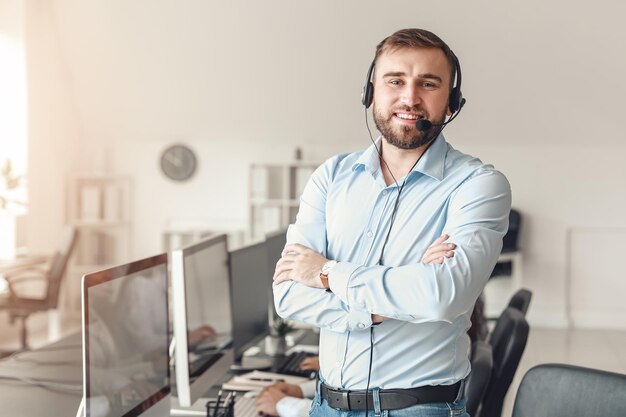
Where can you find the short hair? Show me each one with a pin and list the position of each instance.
(417, 38)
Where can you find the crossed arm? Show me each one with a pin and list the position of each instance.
(301, 264)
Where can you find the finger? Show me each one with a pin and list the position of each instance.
(433, 257)
(282, 278)
(294, 248)
(282, 268)
(439, 240)
(441, 247)
(436, 254)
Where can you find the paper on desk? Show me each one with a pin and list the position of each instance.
(257, 380)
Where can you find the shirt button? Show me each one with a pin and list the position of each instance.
(369, 233)
(384, 192)
(360, 326)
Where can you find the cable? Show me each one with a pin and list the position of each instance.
(369, 371)
(398, 187)
(393, 217)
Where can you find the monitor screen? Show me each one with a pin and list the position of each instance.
(251, 279)
(275, 244)
(125, 340)
(202, 317)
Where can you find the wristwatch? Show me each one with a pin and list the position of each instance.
(325, 271)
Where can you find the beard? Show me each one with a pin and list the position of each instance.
(406, 137)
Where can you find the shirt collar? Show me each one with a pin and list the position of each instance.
(431, 164)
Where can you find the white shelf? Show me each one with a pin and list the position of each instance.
(274, 194)
(99, 206)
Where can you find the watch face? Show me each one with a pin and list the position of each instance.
(178, 162)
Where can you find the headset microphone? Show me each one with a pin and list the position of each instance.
(425, 124)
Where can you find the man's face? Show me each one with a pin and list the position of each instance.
(410, 84)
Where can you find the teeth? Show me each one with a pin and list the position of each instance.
(407, 116)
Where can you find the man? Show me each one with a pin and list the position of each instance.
(393, 245)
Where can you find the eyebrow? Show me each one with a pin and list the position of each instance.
(426, 75)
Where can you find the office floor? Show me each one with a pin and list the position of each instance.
(601, 349)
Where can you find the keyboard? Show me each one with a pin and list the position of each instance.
(245, 407)
(291, 365)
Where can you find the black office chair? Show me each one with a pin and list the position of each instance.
(19, 304)
(521, 300)
(508, 341)
(510, 240)
(476, 384)
(556, 390)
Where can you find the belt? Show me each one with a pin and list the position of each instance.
(390, 399)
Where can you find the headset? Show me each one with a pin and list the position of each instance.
(455, 100)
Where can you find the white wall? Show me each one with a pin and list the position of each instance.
(53, 128)
(247, 80)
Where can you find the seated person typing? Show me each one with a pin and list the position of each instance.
(289, 400)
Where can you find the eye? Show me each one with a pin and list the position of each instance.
(429, 85)
(395, 82)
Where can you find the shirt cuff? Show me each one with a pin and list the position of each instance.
(293, 407)
(338, 279)
(308, 388)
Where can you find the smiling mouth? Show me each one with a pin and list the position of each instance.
(411, 117)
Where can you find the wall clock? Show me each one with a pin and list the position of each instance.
(178, 162)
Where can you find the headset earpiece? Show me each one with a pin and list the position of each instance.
(456, 100)
(367, 96)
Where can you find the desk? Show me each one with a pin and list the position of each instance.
(61, 361)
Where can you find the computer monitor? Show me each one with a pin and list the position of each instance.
(125, 340)
(202, 317)
(251, 279)
(275, 243)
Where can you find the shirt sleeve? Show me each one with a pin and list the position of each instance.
(477, 220)
(293, 407)
(316, 306)
(308, 388)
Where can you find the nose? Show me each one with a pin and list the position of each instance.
(410, 95)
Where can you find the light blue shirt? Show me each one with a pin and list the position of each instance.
(345, 212)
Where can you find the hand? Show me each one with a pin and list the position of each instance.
(438, 250)
(267, 399)
(198, 335)
(376, 319)
(292, 390)
(300, 264)
(311, 363)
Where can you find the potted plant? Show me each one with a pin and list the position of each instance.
(276, 342)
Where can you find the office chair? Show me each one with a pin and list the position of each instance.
(510, 240)
(476, 384)
(521, 300)
(557, 390)
(21, 305)
(508, 341)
